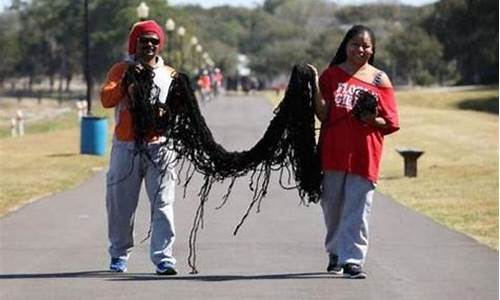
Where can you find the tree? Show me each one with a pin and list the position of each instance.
(324, 46)
(9, 46)
(416, 55)
(468, 29)
(270, 6)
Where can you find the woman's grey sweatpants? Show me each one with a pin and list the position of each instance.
(127, 169)
(346, 204)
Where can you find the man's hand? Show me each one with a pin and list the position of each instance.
(134, 70)
(130, 89)
(162, 112)
(138, 68)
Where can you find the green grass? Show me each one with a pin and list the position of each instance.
(65, 120)
(474, 98)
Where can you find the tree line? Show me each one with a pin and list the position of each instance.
(448, 42)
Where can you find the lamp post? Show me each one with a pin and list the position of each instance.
(86, 37)
(142, 11)
(210, 62)
(194, 42)
(93, 130)
(198, 49)
(169, 27)
(181, 32)
(206, 58)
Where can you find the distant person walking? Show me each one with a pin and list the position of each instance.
(130, 164)
(216, 79)
(205, 86)
(357, 109)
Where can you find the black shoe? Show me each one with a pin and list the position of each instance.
(354, 271)
(333, 265)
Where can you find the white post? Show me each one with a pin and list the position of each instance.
(79, 108)
(84, 108)
(20, 123)
(13, 127)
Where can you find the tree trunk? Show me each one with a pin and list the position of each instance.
(61, 83)
(51, 83)
(30, 82)
(409, 80)
(69, 77)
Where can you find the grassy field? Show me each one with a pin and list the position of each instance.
(457, 183)
(45, 160)
(47, 115)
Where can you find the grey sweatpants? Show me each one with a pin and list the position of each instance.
(346, 204)
(124, 179)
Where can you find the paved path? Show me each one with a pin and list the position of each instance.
(55, 248)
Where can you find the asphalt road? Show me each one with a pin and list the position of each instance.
(56, 247)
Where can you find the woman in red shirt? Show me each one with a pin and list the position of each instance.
(351, 146)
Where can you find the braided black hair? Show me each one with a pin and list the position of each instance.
(366, 104)
(287, 145)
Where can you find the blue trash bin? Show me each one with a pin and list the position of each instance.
(93, 137)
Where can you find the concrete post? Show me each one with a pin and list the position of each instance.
(410, 157)
(20, 122)
(13, 127)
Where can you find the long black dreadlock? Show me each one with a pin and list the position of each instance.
(288, 145)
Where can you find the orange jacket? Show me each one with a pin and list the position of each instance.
(113, 95)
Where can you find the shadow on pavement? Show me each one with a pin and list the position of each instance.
(84, 274)
(217, 278)
(150, 276)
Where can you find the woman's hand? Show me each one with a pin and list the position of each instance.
(315, 71)
(369, 118)
(374, 120)
(320, 106)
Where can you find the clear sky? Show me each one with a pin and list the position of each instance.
(250, 3)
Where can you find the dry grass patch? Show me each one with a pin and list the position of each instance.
(474, 98)
(40, 164)
(47, 159)
(457, 184)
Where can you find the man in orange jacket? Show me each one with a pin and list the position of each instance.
(129, 167)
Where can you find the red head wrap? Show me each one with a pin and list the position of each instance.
(142, 27)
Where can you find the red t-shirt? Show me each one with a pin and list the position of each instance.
(346, 143)
(204, 82)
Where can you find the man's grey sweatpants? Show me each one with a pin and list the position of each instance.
(127, 170)
(346, 204)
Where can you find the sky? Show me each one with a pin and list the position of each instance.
(251, 3)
